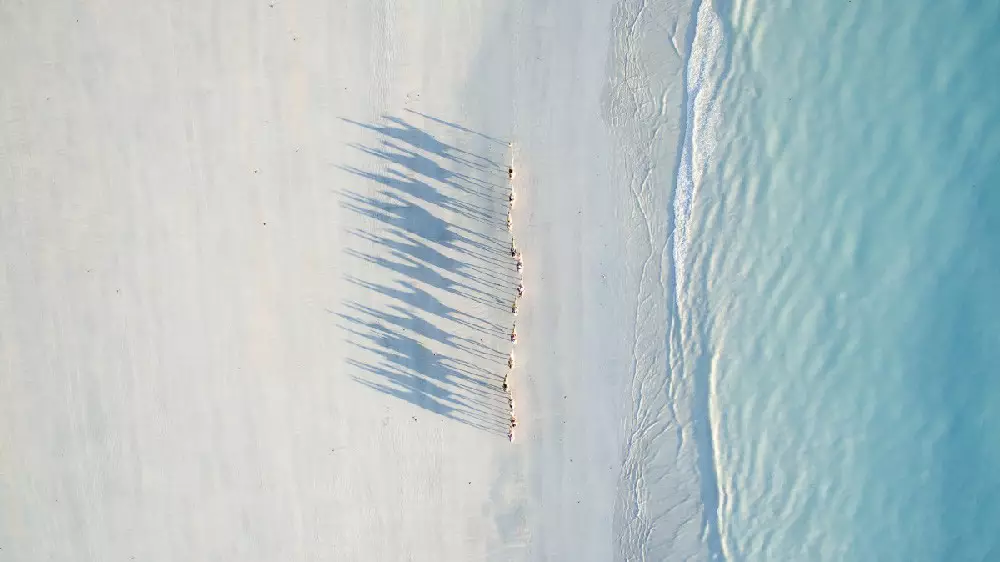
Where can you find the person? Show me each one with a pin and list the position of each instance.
(520, 289)
(510, 198)
(510, 223)
(513, 336)
(513, 307)
(520, 266)
(510, 361)
(510, 173)
(513, 250)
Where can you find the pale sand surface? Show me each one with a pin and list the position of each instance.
(256, 287)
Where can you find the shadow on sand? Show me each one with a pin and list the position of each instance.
(435, 269)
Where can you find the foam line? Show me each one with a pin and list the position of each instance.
(698, 146)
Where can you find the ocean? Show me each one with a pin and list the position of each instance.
(836, 255)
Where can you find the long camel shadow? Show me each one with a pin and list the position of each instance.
(434, 269)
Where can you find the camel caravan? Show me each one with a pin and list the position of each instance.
(519, 265)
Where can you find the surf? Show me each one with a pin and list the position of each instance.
(702, 119)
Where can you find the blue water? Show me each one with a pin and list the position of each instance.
(838, 262)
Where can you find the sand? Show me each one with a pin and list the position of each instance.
(257, 292)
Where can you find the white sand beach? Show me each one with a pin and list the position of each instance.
(257, 285)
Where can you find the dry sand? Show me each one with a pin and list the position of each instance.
(257, 292)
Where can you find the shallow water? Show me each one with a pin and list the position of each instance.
(836, 233)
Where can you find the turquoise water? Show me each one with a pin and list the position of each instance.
(839, 273)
